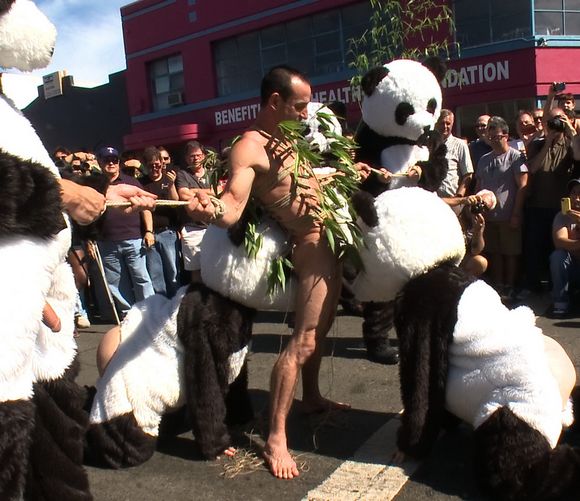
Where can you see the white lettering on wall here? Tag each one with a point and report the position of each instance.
(477, 74)
(238, 114)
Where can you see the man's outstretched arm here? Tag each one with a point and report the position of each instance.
(244, 155)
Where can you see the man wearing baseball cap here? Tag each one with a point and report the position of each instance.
(565, 260)
(123, 241)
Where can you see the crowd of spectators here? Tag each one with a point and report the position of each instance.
(529, 243)
(522, 244)
(128, 257)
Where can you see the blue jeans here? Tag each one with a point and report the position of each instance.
(126, 271)
(163, 263)
(564, 268)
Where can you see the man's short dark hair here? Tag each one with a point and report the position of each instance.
(496, 123)
(193, 145)
(150, 154)
(566, 97)
(279, 79)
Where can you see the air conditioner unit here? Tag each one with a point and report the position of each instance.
(175, 98)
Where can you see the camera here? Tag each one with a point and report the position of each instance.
(557, 124)
(559, 86)
(478, 208)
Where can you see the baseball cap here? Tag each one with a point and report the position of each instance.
(107, 151)
(572, 183)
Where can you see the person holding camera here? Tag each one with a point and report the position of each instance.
(503, 171)
(551, 164)
(565, 260)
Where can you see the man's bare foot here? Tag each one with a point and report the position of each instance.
(280, 462)
(322, 405)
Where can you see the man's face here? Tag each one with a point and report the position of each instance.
(165, 158)
(481, 126)
(295, 107)
(538, 115)
(566, 104)
(110, 166)
(155, 168)
(497, 139)
(526, 124)
(195, 158)
(444, 126)
(575, 197)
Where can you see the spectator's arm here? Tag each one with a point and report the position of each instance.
(173, 195)
(548, 104)
(477, 240)
(147, 218)
(535, 163)
(465, 169)
(562, 239)
(522, 184)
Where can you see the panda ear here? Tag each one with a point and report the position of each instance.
(436, 66)
(372, 78)
(5, 5)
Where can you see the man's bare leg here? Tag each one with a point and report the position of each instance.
(312, 399)
(316, 268)
(107, 348)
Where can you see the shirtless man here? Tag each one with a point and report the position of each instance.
(261, 164)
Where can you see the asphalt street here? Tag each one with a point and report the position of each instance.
(342, 455)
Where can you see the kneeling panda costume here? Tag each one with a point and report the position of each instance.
(188, 350)
(463, 351)
(41, 418)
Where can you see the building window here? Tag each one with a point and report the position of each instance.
(491, 21)
(557, 17)
(315, 45)
(166, 76)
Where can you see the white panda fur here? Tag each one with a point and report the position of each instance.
(129, 385)
(227, 269)
(406, 242)
(498, 358)
(27, 37)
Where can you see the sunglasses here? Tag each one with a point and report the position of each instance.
(165, 158)
(111, 160)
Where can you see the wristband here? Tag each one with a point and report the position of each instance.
(149, 231)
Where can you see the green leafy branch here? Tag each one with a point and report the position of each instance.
(396, 28)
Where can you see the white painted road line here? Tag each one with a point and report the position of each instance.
(368, 476)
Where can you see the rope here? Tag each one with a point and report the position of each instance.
(220, 207)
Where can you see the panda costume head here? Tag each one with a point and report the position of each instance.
(401, 103)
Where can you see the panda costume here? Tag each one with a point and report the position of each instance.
(463, 351)
(41, 418)
(401, 103)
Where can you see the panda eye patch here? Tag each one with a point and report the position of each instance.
(432, 105)
(403, 111)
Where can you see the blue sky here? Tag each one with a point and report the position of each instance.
(89, 45)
